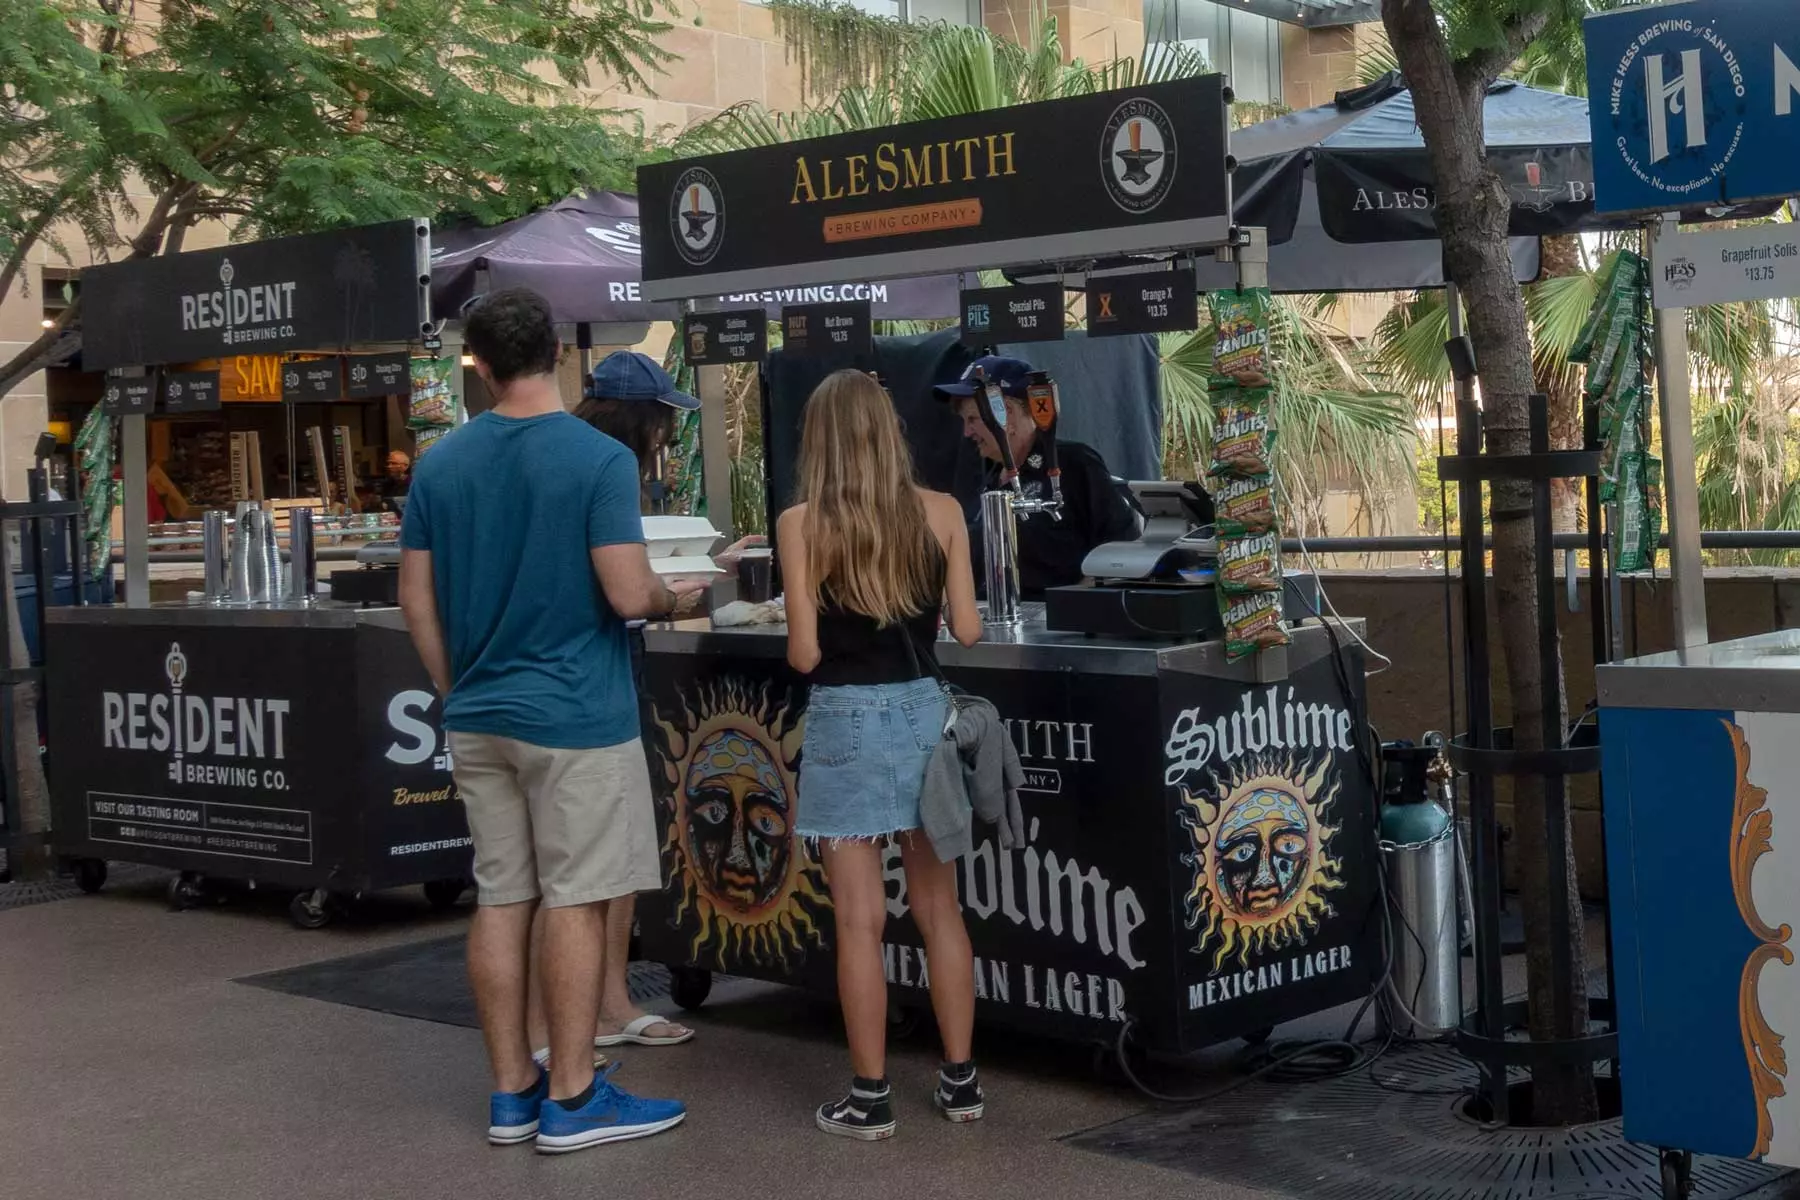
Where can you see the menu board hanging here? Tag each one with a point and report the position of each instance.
(311, 380)
(1157, 302)
(1118, 172)
(719, 339)
(190, 391)
(827, 330)
(134, 397)
(370, 375)
(1033, 313)
(317, 291)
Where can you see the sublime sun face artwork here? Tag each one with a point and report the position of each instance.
(729, 795)
(1261, 855)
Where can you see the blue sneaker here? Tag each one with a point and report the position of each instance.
(513, 1118)
(610, 1115)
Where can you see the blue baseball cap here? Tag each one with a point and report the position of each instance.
(628, 375)
(1012, 374)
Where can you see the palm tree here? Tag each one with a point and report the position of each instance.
(1335, 423)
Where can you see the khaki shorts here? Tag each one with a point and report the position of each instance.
(570, 826)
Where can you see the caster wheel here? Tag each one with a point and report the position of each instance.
(689, 986)
(903, 1022)
(444, 893)
(310, 910)
(1677, 1174)
(1259, 1037)
(90, 874)
(185, 891)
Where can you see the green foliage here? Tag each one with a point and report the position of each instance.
(1337, 425)
(945, 70)
(281, 116)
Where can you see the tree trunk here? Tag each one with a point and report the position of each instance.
(1562, 257)
(1473, 209)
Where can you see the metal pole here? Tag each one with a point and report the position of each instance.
(1464, 389)
(715, 450)
(135, 471)
(1681, 489)
(1253, 271)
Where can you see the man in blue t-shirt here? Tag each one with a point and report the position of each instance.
(522, 556)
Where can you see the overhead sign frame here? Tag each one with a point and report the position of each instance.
(998, 188)
(1695, 104)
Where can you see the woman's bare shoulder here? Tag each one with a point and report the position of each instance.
(791, 517)
(939, 503)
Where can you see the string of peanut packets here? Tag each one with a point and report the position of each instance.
(1615, 344)
(1242, 473)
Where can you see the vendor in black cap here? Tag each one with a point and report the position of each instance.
(1095, 510)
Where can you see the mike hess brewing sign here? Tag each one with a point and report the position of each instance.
(1137, 169)
(314, 292)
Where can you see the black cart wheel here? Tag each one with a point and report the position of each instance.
(90, 874)
(185, 891)
(690, 986)
(1677, 1174)
(444, 893)
(310, 910)
(1259, 1037)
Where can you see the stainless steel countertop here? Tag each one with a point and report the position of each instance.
(1759, 674)
(325, 614)
(1030, 647)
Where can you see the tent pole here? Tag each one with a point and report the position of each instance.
(134, 471)
(715, 448)
(1681, 488)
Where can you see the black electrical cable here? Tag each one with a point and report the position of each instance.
(1308, 1061)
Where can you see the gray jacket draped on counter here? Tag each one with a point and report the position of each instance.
(974, 772)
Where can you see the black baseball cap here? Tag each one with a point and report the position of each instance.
(1012, 374)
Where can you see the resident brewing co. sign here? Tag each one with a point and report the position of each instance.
(1694, 104)
(1115, 172)
(314, 292)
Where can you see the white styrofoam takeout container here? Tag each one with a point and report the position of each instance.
(679, 537)
(673, 568)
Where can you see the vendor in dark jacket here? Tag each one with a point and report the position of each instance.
(1095, 510)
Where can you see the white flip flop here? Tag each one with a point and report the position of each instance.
(633, 1034)
(542, 1058)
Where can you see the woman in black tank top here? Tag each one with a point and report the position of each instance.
(870, 560)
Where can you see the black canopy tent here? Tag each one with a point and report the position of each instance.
(583, 255)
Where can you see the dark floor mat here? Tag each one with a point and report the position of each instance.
(427, 981)
(1396, 1132)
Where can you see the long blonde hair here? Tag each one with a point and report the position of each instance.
(867, 537)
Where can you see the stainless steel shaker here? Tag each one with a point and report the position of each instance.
(302, 564)
(243, 569)
(215, 550)
(275, 588)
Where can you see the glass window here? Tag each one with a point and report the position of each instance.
(1244, 46)
(953, 12)
(878, 8)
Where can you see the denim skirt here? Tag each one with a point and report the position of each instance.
(863, 759)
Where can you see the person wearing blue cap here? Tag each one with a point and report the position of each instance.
(1095, 510)
(631, 399)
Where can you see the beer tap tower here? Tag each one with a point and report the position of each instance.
(1004, 506)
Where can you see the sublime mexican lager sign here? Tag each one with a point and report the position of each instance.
(1694, 104)
(1115, 172)
(314, 292)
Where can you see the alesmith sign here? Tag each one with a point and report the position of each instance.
(1693, 104)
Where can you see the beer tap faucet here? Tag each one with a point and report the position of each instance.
(999, 513)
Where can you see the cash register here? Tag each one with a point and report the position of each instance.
(1159, 585)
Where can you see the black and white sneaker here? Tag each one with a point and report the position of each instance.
(958, 1094)
(866, 1114)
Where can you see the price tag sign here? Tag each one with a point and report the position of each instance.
(370, 375)
(190, 391)
(311, 381)
(827, 330)
(719, 339)
(1032, 313)
(134, 397)
(1163, 302)
(1758, 262)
